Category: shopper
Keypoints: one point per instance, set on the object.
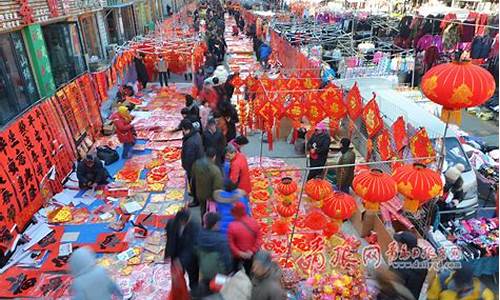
(182, 238)
(140, 67)
(213, 138)
(244, 237)
(225, 200)
(264, 54)
(90, 281)
(207, 177)
(230, 114)
(162, 69)
(199, 79)
(192, 106)
(214, 255)
(238, 169)
(453, 192)
(388, 286)
(318, 147)
(192, 150)
(239, 142)
(460, 284)
(204, 113)
(124, 130)
(345, 175)
(266, 278)
(412, 277)
(90, 171)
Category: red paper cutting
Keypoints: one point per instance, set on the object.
(354, 104)
(399, 133)
(384, 145)
(372, 119)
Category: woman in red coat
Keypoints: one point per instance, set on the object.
(124, 130)
(238, 169)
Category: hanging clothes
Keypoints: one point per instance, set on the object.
(468, 30)
(481, 47)
(446, 20)
(431, 57)
(480, 22)
(451, 36)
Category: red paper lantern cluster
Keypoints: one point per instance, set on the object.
(374, 187)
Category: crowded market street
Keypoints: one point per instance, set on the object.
(249, 150)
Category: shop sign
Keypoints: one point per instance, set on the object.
(87, 4)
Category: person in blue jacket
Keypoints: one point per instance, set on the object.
(265, 52)
(225, 199)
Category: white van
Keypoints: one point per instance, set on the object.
(393, 104)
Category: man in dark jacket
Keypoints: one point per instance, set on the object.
(214, 255)
(345, 175)
(412, 276)
(266, 278)
(208, 178)
(182, 238)
(213, 138)
(140, 67)
(90, 171)
(318, 147)
(192, 150)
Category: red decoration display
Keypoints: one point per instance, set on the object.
(399, 134)
(335, 108)
(374, 187)
(354, 103)
(339, 206)
(418, 184)
(286, 208)
(286, 186)
(384, 145)
(372, 119)
(421, 147)
(314, 110)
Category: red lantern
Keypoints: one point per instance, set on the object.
(374, 187)
(287, 186)
(458, 85)
(286, 208)
(339, 206)
(418, 184)
(317, 189)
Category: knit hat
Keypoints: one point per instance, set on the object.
(321, 126)
(238, 210)
(453, 173)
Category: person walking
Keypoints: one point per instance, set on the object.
(345, 175)
(244, 236)
(140, 67)
(387, 286)
(266, 278)
(192, 150)
(90, 281)
(214, 255)
(182, 237)
(225, 200)
(124, 130)
(411, 277)
(238, 169)
(318, 147)
(207, 177)
(162, 69)
(213, 138)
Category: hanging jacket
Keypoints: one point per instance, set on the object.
(481, 47)
(451, 36)
(468, 28)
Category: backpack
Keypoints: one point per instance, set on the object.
(108, 155)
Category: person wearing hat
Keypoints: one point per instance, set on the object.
(412, 270)
(213, 138)
(90, 281)
(225, 199)
(244, 236)
(318, 147)
(239, 141)
(213, 251)
(345, 175)
(238, 169)
(124, 130)
(460, 284)
(192, 150)
(266, 278)
(90, 171)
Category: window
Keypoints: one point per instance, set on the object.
(91, 37)
(17, 86)
(455, 154)
(65, 51)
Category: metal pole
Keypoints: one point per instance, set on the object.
(443, 146)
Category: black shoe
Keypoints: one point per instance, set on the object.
(194, 204)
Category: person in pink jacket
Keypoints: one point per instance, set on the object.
(238, 168)
(124, 130)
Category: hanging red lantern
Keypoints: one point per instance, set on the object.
(317, 189)
(458, 85)
(374, 187)
(417, 184)
(286, 186)
(339, 206)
